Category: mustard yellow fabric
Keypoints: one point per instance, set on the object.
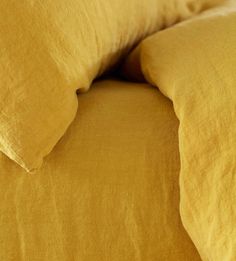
(49, 49)
(194, 64)
(108, 191)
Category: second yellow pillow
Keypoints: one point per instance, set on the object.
(194, 64)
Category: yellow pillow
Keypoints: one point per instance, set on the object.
(194, 64)
(49, 49)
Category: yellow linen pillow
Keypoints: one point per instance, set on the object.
(49, 49)
(194, 64)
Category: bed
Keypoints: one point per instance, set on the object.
(136, 165)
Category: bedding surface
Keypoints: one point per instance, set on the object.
(108, 191)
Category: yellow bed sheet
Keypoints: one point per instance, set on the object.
(109, 190)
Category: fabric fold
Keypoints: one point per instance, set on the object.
(194, 65)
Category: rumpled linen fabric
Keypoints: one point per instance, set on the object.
(108, 191)
(194, 64)
(50, 49)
